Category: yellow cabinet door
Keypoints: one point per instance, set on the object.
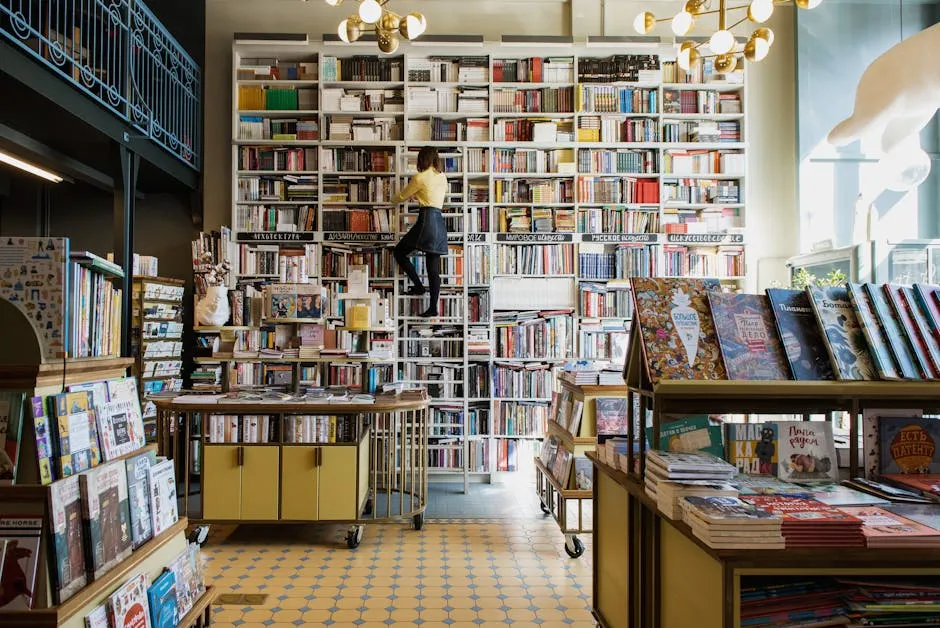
(260, 483)
(338, 483)
(299, 477)
(221, 482)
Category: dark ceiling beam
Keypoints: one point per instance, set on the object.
(34, 151)
(56, 89)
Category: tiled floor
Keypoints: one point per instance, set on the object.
(461, 573)
(448, 501)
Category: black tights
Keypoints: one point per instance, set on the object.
(402, 250)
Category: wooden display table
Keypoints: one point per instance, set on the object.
(380, 475)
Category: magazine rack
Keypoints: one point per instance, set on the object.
(639, 553)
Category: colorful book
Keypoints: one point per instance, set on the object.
(923, 325)
(874, 332)
(138, 493)
(747, 337)
(752, 447)
(161, 597)
(926, 485)
(912, 332)
(927, 514)
(128, 605)
(20, 537)
(800, 334)
(928, 296)
(44, 441)
(187, 569)
(611, 416)
(908, 366)
(909, 445)
(844, 340)
(163, 512)
(837, 495)
(547, 455)
(106, 517)
(688, 434)
(800, 510)
(676, 329)
(766, 485)
(561, 466)
(65, 511)
(97, 618)
(806, 451)
(120, 428)
(884, 528)
(123, 389)
(583, 474)
(718, 510)
(77, 441)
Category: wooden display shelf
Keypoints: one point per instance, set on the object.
(58, 372)
(557, 430)
(170, 281)
(279, 407)
(567, 493)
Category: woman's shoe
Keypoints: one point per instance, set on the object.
(415, 291)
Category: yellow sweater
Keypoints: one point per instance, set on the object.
(428, 187)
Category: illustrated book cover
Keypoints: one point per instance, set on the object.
(806, 452)
(880, 523)
(547, 455)
(875, 333)
(747, 337)
(752, 447)
(717, 510)
(924, 326)
(927, 514)
(138, 494)
(187, 570)
(837, 495)
(912, 332)
(106, 516)
(44, 440)
(901, 349)
(20, 537)
(123, 389)
(120, 427)
(611, 416)
(128, 605)
(65, 510)
(162, 479)
(800, 334)
(98, 617)
(800, 510)
(927, 485)
(561, 466)
(909, 445)
(161, 596)
(77, 432)
(583, 474)
(848, 350)
(688, 434)
(928, 296)
(676, 329)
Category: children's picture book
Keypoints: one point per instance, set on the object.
(163, 513)
(766, 485)
(837, 495)
(123, 389)
(583, 474)
(752, 447)
(97, 618)
(161, 596)
(874, 332)
(676, 329)
(718, 510)
(120, 428)
(909, 445)
(97, 390)
(561, 466)
(882, 527)
(928, 297)
(800, 510)
(44, 441)
(611, 416)
(800, 334)
(138, 496)
(748, 339)
(848, 350)
(927, 514)
(688, 434)
(547, 455)
(924, 484)
(303, 301)
(65, 511)
(806, 451)
(187, 570)
(912, 332)
(903, 353)
(924, 326)
(129, 607)
(871, 434)
(20, 537)
(107, 518)
(77, 441)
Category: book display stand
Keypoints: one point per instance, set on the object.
(640, 553)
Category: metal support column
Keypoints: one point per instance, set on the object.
(43, 211)
(125, 199)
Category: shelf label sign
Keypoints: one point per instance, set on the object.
(274, 236)
(641, 238)
(357, 236)
(526, 238)
(476, 237)
(705, 238)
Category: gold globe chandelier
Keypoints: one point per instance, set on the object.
(389, 27)
(722, 44)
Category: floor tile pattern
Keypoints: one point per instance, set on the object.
(459, 573)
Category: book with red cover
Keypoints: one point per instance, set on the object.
(912, 332)
(923, 324)
(874, 332)
(747, 337)
(883, 528)
(929, 298)
(897, 341)
(676, 329)
(927, 484)
(800, 512)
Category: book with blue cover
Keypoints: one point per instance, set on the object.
(903, 353)
(874, 333)
(138, 491)
(912, 331)
(161, 597)
(747, 337)
(925, 330)
(909, 445)
(848, 349)
(800, 335)
(688, 434)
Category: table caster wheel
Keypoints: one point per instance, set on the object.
(418, 521)
(545, 509)
(199, 535)
(573, 546)
(354, 536)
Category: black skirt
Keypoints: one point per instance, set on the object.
(429, 233)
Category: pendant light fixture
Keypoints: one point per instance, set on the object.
(388, 26)
(722, 45)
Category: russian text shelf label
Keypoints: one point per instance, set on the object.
(705, 238)
(529, 238)
(642, 238)
(357, 236)
(275, 236)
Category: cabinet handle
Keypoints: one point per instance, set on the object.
(319, 456)
(314, 451)
(240, 456)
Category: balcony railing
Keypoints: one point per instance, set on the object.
(120, 55)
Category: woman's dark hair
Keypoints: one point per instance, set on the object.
(427, 158)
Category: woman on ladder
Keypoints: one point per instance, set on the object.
(429, 233)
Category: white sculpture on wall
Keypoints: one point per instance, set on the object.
(897, 96)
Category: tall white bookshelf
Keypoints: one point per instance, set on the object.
(604, 181)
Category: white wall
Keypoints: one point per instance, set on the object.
(771, 216)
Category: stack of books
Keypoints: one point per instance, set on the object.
(883, 528)
(809, 523)
(670, 476)
(730, 523)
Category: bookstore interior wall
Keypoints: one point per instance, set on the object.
(770, 97)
